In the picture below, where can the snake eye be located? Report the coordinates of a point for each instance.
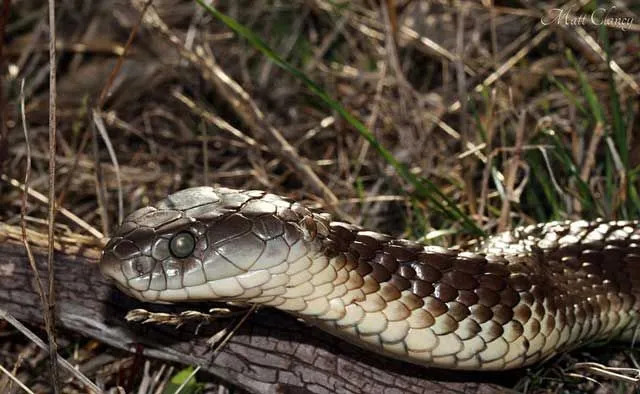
(182, 245)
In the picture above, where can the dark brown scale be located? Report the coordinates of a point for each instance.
(492, 282)
(591, 268)
(341, 234)
(399, 282)
(446, 324)
(407, 272)
(370, 239)
(440, 262)
(569, 315)
(487, 297)
(390, 293)
(421, 288)
(379, 272)
(472, 327)
(411, 301)
(400, 252)
(268, 227)
(491, 331)
(509, 297)
(518, 330)
(288, 215)
(390, 263)
(435, 306)
(458, 311)
(570, 262)
(520, 282)
(549, 325)
(473, 266)
(426, 272)
(364, 268)
(538, 309)
(533, 327)
(459, 280)
(363, 250)
(497, 269)
(527, 298)
(300, 210)
(370, 285)
(480, 313)
(445, 292)
(467, 297)
(351, 262)
(502, 314)
(522, 313)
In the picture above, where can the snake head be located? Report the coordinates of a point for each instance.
(213, 244)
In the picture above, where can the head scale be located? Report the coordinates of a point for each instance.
(209, 243)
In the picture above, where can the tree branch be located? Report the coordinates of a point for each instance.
(271, 352)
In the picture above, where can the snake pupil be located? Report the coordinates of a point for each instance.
(182, 245)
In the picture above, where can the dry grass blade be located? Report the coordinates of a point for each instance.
(540, 36)
(97, 120)
(593, 44)
(511, 176)
(628, 375)
(59, 360)
(215, 120)
(15, 379)
(63, 211)
(39, 286)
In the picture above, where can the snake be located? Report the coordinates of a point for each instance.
(517, 298)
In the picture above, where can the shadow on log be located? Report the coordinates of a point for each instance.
(271, 353)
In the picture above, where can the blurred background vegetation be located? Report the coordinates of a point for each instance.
(431, 120)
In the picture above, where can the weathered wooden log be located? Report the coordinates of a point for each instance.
(271, 352)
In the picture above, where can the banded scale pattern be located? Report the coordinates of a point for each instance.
(523, 296)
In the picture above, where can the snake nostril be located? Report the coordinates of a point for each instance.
(144, 265)
(140, 267)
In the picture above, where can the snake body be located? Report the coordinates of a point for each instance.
(523, 296)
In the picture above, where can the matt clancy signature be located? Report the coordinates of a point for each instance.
(600, 16)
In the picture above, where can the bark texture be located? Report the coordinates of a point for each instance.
(271, 353)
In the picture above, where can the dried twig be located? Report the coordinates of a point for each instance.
(49, 307)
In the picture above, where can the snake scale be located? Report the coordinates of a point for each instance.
(521, 297)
